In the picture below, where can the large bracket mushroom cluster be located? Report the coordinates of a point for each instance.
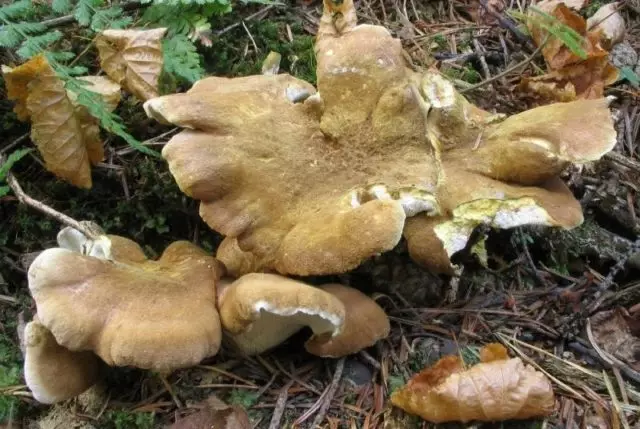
(309, 182)
(302, 181)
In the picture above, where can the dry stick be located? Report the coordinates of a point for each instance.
(281, 403)
(507, 71)
(70, 19)
(248, 18)
(506, 23)
(329, 394)
(40, 206)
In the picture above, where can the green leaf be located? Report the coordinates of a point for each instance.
(14, 157)
(567, 35)
(181, 58)
(4, 190)
(15, 10)
(61, 6)
(85, 9)
(96, 106)
(36, 44)
(630, 75)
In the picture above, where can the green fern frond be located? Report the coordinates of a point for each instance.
(13, 33)
(34, 45)
(11, 160)
(111, 17)
(181, 58)
(15, 10)
(85, 9)
(567, 35)
(61, 6)
(97, 108)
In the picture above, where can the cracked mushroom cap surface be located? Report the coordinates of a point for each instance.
(365, 324)
(308, 182)
(158, 315)
(52, 372)
(505, 173)
(260, 311)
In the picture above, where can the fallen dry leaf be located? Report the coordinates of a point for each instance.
(610, 22)
(215, 414)
(585, 80)
(66, 135)
(556, 53)
(496, 389)
(110, 92)
(549, 5)
(17, 80)
(613, 331)
(571, 77)
(133, 58)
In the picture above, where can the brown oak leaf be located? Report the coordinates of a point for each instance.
(133, 58)
(496, 389)
(616, 332)
(17, 80)
(214, 414)
(66, 135)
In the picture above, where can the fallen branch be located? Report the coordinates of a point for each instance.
(43, 208)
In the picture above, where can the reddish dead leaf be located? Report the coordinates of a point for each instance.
(585, 80)
(484, 15)
(571, 77)
(133, 58)
(214, 414)
(612, 331)
(555, 52)
(496, 389)
(66, 135)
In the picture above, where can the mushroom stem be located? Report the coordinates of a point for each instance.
(25, 199)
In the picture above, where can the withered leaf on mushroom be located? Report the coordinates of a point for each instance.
(130, 311)
(311, 182)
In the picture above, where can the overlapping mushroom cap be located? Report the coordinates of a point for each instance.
(127, 309)
(503, 174)
(304, 182)
(260, 311)
(52, 372)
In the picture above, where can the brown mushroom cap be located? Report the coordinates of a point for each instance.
(157, 315)
(433, 240)
(52, 372)
(365, 324)
(304, 182)
(260, 311)
(503, 172)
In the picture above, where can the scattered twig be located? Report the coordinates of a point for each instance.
(42, 207)
(507, 71)
(281, 404)
(248, 18)
(70, 19)
(507, 23)
(328, 394)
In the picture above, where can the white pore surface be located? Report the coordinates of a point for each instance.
(273, 326)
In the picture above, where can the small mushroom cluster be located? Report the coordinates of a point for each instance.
(102, 301)
(302, 181)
